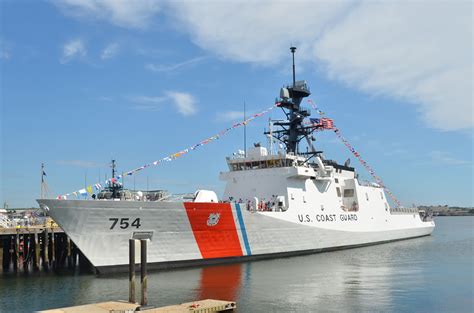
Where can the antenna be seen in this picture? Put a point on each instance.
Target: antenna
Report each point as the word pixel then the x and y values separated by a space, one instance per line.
pixel 42 180
pixel 270 135
pixel 245 133
pixel 293 49
pixel 114 189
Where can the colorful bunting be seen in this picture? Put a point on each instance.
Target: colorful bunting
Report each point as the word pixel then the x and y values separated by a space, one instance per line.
pixel 178 154
pixel 353 151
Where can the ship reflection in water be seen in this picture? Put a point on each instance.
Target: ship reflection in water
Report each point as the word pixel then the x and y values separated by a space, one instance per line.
pixel 430 274
pixel 220 282
pixel 365 279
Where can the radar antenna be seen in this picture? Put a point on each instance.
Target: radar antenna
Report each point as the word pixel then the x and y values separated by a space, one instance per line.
pixel 114 187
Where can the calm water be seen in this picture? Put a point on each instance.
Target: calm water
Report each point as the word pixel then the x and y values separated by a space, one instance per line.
pixel 431 274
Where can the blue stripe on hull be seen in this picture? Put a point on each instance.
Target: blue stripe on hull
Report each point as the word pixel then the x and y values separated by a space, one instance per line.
pixel 242 229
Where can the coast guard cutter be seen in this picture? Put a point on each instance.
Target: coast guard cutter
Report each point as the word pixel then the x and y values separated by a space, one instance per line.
pixel 275 204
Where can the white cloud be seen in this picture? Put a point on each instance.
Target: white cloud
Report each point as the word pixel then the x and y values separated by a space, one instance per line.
pixel 5 49
pixel 80 163
pixel 123 13
pixel 110 51
pixel 445 158
pixel 184 102
pixel 148 103
pixel 255 31
pixel 174 67
pixel 420 52
pixel 231 115
pixel 4 54
pixel 416 51
pixel 73 49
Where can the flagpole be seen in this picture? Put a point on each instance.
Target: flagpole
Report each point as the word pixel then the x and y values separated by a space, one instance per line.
pixel 85 182
pixel 42 181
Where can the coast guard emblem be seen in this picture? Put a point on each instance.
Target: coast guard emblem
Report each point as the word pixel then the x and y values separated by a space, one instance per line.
pixel 213 219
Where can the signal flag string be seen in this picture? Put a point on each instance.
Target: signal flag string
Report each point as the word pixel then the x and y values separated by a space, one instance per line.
pixel 369 169
pixel 96 187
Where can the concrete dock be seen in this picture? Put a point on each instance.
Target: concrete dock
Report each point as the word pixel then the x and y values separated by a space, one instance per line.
pixel 203 306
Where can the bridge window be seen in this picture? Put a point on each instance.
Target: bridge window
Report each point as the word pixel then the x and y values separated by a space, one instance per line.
pixel 348 193
pixel 338 190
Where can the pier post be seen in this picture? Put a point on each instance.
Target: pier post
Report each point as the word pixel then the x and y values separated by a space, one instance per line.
pixel 37 251
pixel 53 248
pixel 2 256
pixel 11 251
pixel 143 278
pixel 69 255
pixel 46 248
pixel 26 252
pixel 6 253
pixel 17 251
pixel 131 271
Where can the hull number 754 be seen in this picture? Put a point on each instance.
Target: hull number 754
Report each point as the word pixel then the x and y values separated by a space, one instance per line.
pixel 124 222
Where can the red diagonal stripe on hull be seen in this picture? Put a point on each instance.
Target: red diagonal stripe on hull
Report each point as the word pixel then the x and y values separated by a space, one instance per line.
pixel 220 240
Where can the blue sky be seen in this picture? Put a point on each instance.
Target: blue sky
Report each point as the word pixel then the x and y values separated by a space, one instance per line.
pixel 84 81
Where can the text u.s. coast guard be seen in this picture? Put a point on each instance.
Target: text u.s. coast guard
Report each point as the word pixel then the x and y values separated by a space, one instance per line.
pixel 308 218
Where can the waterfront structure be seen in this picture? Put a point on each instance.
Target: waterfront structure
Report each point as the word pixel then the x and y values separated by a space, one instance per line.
pixel 276 203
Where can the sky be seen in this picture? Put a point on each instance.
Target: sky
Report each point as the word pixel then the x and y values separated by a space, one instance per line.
pixel 85 81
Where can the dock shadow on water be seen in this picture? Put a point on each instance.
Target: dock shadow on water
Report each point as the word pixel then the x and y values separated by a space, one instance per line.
pixel 430 274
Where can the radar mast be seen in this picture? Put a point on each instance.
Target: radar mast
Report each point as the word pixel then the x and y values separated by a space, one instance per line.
pixel 292 131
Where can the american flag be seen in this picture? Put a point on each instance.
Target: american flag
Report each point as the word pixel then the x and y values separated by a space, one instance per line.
pixel 327 123
pixel 315 121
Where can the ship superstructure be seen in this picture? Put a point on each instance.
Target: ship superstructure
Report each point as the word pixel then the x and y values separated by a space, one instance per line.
pixel 275 203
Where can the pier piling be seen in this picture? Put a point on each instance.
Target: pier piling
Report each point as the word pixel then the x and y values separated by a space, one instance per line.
pixel 53 249
pixel 143 276
pixel 17 252
pixel 69 252
pixel 131 270
pixel 46 248
pixel 37 251
pixel 33 248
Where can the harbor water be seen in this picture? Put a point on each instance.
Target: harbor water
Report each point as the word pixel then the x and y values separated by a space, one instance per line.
pixel 429 274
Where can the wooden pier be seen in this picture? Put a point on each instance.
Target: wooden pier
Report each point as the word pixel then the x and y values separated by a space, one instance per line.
pixel 203 306
pixel 32 248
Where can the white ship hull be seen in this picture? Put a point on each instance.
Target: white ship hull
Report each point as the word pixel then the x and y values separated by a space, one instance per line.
pixel 190 233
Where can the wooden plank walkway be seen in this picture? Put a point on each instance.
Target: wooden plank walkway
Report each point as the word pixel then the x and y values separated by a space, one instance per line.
pixel 104 307
pixel 203 306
